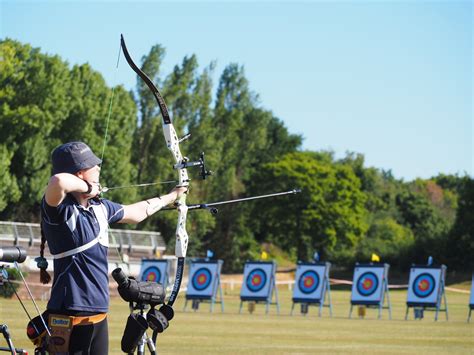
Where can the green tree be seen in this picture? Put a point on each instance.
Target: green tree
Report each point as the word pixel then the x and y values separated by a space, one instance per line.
pixel 388 239
pixel 329 214
pixel 33 101
pixel 460 246
pixel 43 103
pixel 429 228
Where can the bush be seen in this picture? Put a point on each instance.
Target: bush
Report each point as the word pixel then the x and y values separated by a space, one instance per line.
pixel 8 289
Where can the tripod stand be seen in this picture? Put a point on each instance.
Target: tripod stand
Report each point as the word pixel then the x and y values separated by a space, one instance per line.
pixel 11 348
pixel 140 325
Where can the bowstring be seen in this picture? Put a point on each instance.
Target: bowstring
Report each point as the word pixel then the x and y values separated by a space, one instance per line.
pixel 112 97
pixel 107 121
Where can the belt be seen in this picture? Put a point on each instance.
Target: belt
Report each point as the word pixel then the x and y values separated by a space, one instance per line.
pixel 87 320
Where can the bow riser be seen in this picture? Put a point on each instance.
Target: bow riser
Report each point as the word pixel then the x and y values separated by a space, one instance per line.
pixel 181 233
pixel 182 237
pixel 172 142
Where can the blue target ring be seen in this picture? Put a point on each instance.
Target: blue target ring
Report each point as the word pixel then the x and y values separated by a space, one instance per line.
pixel 256 280
pixel 423 285
pixel 367 284
pixel 201 279
pixel 151 273
pixel 308 282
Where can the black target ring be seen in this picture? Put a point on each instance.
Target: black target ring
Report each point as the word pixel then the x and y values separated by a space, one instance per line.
pixel 202 279
pixel 367 284
pixel 423 285
pixel 256 280
pixel 309 281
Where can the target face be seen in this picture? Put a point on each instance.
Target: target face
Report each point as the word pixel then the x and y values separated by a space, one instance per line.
pixel 202 279
pixel 424 285
pixel 256 280
pixel 367 284
pixel 257 283
pixel 309 281
pixel 154 270
pixel 152 274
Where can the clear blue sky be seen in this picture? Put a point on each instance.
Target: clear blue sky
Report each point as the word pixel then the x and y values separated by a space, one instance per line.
pixel 390 80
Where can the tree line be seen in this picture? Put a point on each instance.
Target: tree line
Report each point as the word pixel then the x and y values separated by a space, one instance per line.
pixel 346 210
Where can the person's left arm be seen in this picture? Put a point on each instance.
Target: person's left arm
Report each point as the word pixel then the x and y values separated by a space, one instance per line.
pixel 139 211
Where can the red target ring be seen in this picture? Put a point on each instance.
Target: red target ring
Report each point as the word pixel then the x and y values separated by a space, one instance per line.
pixel 201 279
pixel 152 274
pixel 256 280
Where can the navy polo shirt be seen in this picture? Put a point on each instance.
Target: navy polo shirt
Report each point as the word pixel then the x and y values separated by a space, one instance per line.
pixel 81 280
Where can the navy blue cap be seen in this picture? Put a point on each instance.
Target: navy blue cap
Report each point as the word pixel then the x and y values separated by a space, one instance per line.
pixel 72 157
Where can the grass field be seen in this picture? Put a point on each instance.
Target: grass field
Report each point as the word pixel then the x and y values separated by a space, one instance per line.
pixel 204 333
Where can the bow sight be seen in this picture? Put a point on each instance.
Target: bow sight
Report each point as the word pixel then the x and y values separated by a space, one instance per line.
pixel 200 163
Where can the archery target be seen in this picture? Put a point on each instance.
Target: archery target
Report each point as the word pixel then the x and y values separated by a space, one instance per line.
pixel 471 301
pixel 367 284
pixel 203 277
pixel 309 283
pixel 154 271
pixel 257 280
pixel 423 286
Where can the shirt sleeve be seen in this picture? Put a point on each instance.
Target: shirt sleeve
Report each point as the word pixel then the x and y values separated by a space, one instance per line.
pixel 114 210
pixel 53 215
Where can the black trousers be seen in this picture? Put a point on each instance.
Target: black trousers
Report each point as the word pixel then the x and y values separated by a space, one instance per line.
pixel 91 339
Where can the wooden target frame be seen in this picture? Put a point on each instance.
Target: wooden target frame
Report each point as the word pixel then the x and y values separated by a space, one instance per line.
pixel 204 283
pixel 426 289
pixel 312 285
pixel 370 287
pixel 471 300
pixel 159 268
pixel 258 284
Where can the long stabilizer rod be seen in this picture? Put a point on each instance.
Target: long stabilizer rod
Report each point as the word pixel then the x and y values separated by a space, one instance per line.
pixel 212 204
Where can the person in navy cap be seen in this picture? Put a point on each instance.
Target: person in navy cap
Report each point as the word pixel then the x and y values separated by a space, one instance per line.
pixel 75 222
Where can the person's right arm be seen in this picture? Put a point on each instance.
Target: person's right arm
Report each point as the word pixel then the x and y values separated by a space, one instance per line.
pixel 63 183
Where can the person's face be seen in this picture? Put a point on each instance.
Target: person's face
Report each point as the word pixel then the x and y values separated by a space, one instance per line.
pixel 91 174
